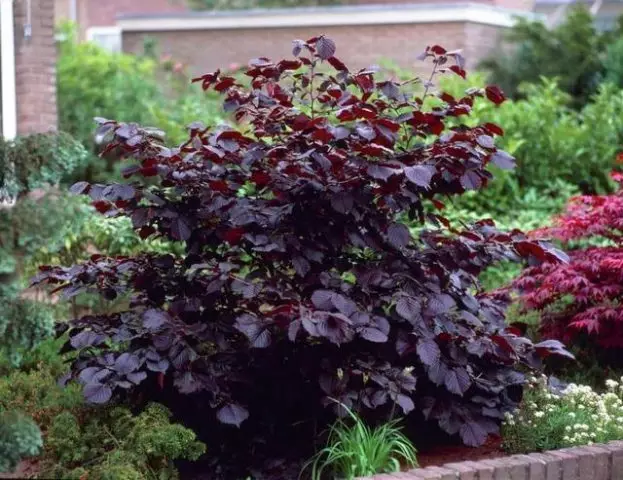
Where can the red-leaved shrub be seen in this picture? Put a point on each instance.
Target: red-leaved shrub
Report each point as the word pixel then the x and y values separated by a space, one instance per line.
pixel 583 296
pixel 300 284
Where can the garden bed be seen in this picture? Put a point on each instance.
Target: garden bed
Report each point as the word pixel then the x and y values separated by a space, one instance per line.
pixel 596 462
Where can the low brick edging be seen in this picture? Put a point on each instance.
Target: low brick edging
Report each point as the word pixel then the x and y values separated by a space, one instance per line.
pixel 596 462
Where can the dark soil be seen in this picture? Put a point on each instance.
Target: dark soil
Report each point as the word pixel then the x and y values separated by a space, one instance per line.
pixel 441 455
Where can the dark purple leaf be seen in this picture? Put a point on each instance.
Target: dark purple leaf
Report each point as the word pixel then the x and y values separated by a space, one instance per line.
pixel 457 381
pixel 126 363
pixel 421 175
pixel 254 330
pixel 232 414
pixel 473 434
pixel 342 202
pixel 153 319
pixel 428 351
pixel 301 266
pixel 325 47
pixel 380 172
pixel 323 299
pixel 136 377
pixel 503 160
pixel 471 180
pixel 405 403
pixel 398 235
pixel 343 304
pixel 180 229
pixel 485 141
pixel 97 393
pixel 373 335
pixel 80 188
pixel 408 308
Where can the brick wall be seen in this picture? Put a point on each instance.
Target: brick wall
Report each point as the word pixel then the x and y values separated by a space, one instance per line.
pixel 358 46
pixel 599 462
pixel 35 68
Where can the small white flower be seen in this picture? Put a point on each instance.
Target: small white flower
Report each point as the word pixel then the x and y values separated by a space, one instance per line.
pixel 539 414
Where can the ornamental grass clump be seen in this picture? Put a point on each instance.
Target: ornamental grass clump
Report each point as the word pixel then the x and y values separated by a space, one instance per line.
pixel 299 282
pixel 355 449
pixel 575 415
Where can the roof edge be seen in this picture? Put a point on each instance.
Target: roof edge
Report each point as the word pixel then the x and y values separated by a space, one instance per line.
pixel 327 16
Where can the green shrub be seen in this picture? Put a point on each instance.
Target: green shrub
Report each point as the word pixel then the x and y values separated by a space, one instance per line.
pixel 613 63
pixel 37 160
pixel 355 449
pixel 115 444
pixel 573 52
pixel 19 438
pixel 37 394
pixel 93 82
pixel 575 416
pixel 553 142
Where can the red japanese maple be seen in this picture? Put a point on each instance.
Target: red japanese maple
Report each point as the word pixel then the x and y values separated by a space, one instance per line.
pixel 583 296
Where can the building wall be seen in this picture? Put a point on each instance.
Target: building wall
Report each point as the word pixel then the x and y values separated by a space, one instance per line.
pixel 103 13
pixel 358 46
pixel 35 68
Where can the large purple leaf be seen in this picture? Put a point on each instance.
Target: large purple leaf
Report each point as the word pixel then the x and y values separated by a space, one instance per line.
pixel 232 414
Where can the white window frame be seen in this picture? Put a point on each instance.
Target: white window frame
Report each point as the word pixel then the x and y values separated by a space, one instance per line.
pixel 115 32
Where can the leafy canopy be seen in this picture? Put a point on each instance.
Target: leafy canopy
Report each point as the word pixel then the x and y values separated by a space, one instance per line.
pixel 299 283
pixel 589 287
pixel 573 52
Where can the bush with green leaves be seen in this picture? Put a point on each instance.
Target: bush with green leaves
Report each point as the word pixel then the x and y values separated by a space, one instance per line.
pixel 80 440
pixel 573 52
pixel 28 224
pixel 37 160
pixel 20 437
pixel 554 145
pixel 552 416
pixel 114 443
pixel 93 82
pixel 355 449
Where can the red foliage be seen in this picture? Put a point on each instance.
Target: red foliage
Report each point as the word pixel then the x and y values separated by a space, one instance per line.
pixel 299 283
pixel 586 293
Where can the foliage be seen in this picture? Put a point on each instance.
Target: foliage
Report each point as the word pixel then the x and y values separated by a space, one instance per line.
pixel 36 160
pixel 553 417
pixel 94 82
pixel 591 281
pixel 81 440
pixel 26 164
pixel 613 63
pixel 117 444
pixel 23 325
pixel 19 438
pixel 293 250
pixel 356 450
pixel 36 393
pixel 246 4
pixel 572 52
pixel 552 141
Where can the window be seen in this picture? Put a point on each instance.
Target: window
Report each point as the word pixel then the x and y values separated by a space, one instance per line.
pixel 106 37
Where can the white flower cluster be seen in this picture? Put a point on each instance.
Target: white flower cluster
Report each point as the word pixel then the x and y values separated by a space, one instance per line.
pixel 576 416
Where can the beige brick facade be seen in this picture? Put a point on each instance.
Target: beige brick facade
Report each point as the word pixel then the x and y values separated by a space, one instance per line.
pixel 35 67
pixel 358 46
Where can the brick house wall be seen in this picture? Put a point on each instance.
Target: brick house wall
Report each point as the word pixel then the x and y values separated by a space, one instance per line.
pixel 103 13
pixel 35 68
pixel 359 46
